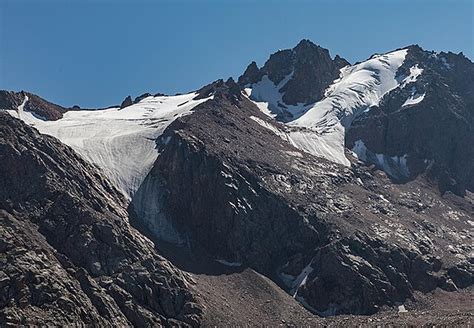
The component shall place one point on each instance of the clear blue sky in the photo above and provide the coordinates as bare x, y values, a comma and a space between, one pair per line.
94, 53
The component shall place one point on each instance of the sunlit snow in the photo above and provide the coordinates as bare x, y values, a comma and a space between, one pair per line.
413, 100
267, 96
415, 72
359, 87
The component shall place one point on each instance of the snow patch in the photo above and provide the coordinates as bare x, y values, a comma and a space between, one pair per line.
413, 100
445, 63
401, 309
270, 127
20, 112
22, 106
319, 128
415, 72
268, 98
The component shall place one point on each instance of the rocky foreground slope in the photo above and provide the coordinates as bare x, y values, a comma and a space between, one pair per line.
68, 252
308, 188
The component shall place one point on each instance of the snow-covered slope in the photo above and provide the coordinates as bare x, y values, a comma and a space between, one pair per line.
358, 88
121, 142
319, 128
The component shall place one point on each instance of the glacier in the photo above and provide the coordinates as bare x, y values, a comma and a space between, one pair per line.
120, 142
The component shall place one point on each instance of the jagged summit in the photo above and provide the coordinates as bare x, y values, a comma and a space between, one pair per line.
301, 74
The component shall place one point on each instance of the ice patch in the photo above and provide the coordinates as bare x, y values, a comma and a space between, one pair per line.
295, 283
330, 311
360, 150
231, 264
394, 166
148, 203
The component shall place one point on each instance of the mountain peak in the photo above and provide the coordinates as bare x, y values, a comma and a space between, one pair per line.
305, 43
301, 74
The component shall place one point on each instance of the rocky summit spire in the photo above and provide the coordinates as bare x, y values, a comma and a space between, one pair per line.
302, 73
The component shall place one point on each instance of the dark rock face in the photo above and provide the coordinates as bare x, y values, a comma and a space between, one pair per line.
251, 75
44, 108
126, 102
141, 97
314, 71
311, 66
68, 253
343, 240
340, 62
437, 133
10, 99
37, 105
228, 90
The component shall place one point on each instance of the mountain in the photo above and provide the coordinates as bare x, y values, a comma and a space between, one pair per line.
308, 185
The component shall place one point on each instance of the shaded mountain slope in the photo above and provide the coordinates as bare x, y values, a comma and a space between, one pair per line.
342, 240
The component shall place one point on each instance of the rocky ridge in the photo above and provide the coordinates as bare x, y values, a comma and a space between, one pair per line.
35, 104
423, 125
